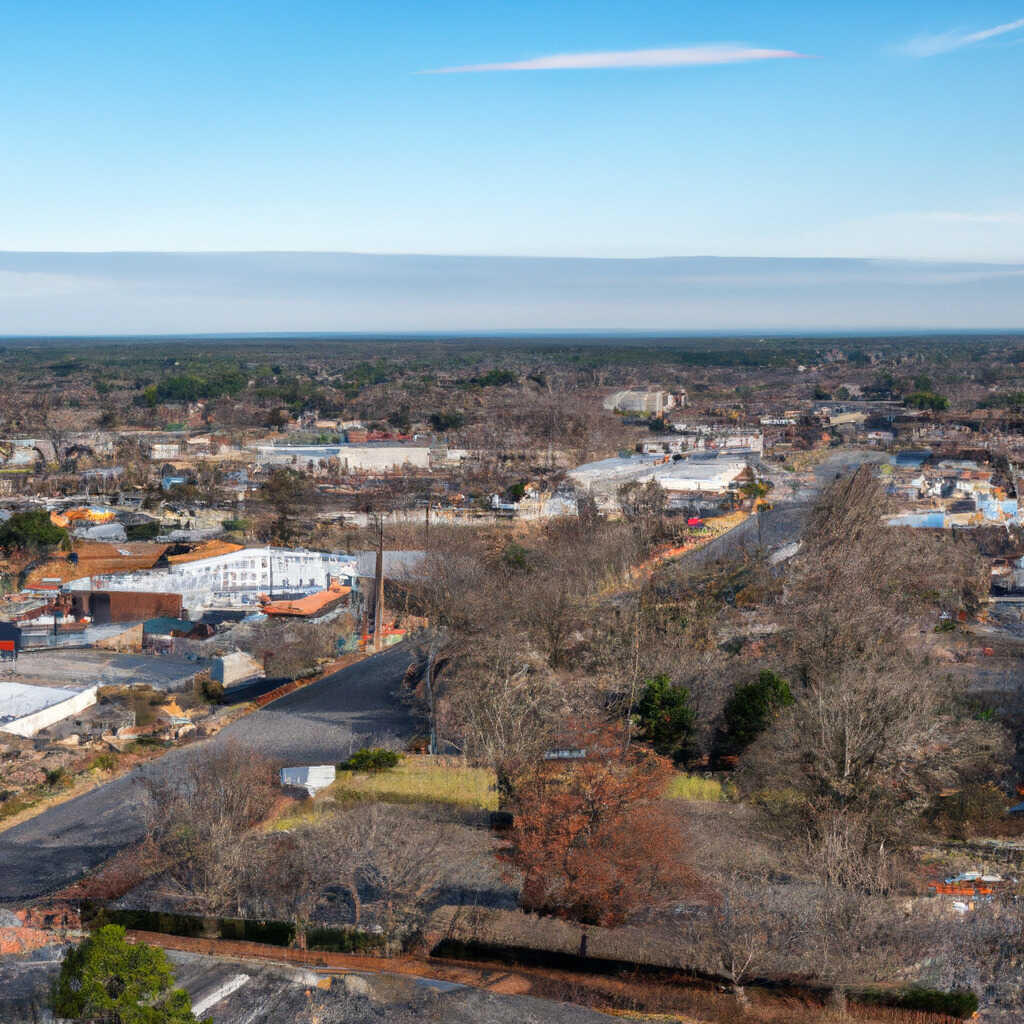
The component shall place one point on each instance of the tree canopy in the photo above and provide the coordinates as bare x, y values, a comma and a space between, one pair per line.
590, 835
106, 978
751, 708
666, 717
33, 530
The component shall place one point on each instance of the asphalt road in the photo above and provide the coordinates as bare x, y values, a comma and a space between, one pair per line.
786, 521
320, 723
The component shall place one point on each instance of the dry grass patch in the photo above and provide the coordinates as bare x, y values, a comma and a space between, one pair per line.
694, 787
421, 780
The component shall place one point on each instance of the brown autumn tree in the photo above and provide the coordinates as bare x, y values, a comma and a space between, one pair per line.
591, 836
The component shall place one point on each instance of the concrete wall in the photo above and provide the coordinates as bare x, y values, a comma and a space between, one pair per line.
31, 724
235, 668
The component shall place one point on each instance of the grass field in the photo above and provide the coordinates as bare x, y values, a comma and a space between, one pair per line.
420, 779
417, 780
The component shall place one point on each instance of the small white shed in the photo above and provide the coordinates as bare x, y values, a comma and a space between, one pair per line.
312, 778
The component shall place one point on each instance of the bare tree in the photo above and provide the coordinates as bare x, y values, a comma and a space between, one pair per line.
400, 858
197, 815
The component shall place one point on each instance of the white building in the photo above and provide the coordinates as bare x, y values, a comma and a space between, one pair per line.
712, 437
312, 778
25, 709
234, 580
353, 458
165, 451
652, 402
699, 475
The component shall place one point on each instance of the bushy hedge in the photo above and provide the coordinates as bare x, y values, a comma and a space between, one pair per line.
960, 1002
273, 933
341, 940
370, 759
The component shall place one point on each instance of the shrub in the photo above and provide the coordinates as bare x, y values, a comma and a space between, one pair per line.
666, 718
54, 776
750, 709
960, 1002
142, 531
104, 762
209, 689
342, 940
33, 530
370, 759
975, 809
15, 805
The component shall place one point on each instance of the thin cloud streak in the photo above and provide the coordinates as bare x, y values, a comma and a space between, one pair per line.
944, 42
957, 217
687, 56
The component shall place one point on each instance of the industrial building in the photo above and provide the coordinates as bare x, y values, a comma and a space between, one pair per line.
648, 402
26, 709
235, 579
371, 457
696, 474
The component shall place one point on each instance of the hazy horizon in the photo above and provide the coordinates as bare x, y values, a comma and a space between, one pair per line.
167, 293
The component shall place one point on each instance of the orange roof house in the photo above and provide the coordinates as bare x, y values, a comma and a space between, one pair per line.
313, 606
94, 558
208, 549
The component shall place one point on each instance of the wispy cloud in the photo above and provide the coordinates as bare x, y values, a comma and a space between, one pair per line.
932, 45
958, 217
687, 56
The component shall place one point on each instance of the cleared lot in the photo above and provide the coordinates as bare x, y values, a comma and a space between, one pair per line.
106, 668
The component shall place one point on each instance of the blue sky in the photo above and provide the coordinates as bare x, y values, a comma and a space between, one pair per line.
307, 125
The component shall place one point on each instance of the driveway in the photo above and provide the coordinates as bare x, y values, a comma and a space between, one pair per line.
320, 723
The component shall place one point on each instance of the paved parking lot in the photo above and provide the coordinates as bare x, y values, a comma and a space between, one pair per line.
321, 723
107, 668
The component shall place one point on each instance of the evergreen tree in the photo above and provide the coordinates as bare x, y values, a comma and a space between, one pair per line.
107, 979
666, 718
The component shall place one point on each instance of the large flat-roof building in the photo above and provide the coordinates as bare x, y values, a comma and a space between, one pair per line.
647, 401
699, 474
26, 709
235, 579
371, 457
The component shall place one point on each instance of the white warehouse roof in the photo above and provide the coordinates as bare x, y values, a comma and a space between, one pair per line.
25, 709
687, 474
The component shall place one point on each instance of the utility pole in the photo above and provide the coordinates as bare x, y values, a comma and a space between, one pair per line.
434, 643
426, 531
378, 604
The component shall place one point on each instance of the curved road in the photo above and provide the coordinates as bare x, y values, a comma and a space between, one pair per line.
785, 522
321, 723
